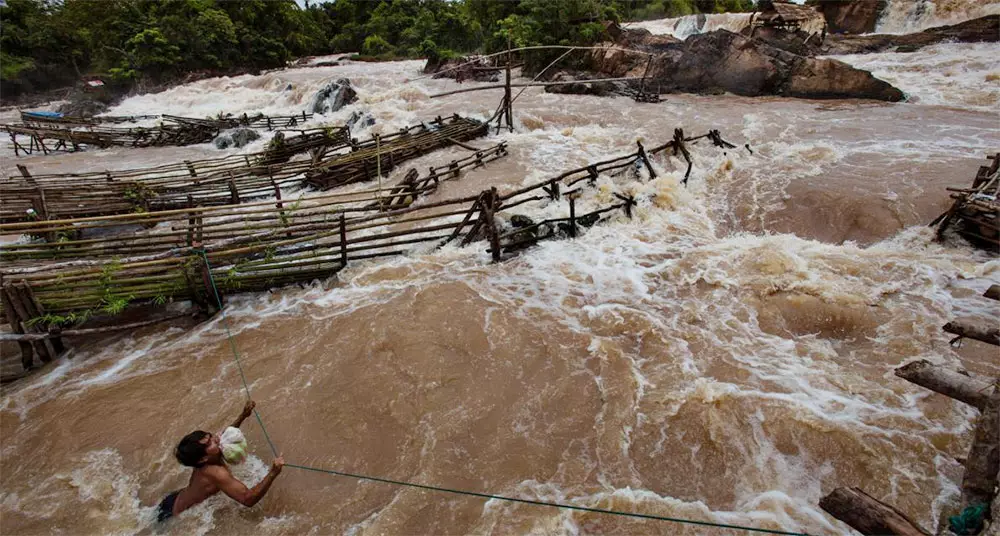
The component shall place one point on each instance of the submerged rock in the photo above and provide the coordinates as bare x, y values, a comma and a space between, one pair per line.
236, 138
360, 120
333, 97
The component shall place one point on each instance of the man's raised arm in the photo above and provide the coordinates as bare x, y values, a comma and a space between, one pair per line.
247, 411
235, 489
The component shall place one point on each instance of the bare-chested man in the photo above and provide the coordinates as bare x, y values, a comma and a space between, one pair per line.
211, 474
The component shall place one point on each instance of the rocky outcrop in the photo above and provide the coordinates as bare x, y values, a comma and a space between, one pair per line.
639, 38
984, 29
852, 16
723, 61
235, 138
333, 97
462, 69
580, 86
83, 107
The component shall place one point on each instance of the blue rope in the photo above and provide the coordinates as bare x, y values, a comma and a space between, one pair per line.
246, 388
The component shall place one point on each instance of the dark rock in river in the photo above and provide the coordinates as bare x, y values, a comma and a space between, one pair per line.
852, 16
477, 71
581, 86
83, 106
360, 120
721, 60
333, 97
236, 138
983, 29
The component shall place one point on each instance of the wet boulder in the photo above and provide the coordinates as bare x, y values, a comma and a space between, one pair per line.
462, 69
333, 97
726, 61
83, 106
852, 16
983, 29
360, 120
577, 84
236, 138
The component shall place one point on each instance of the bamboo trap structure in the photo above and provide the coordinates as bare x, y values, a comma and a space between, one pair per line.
276, 254
160, 232
256, 121
227, 181
975, 214
65, 138
213, 181
74, 134
383, 153
33, 118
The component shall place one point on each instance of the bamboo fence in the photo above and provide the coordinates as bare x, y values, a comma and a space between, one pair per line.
229, 180
212, 181
75, 133
161, 232
253, 255
256, 121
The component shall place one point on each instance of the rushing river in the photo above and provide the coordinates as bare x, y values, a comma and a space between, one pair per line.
726, 356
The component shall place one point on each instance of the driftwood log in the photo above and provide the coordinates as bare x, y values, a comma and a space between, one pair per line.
868, 515
987, 334
957, 385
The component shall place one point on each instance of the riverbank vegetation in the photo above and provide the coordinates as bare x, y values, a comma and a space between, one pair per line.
48, 44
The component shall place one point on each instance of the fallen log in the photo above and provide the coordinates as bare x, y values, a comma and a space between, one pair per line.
983, 462
868, 515
950, 383
993, 292
990, 335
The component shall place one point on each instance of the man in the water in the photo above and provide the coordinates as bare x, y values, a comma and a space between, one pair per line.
201, 451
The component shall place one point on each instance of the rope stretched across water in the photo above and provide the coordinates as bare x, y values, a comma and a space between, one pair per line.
246, 388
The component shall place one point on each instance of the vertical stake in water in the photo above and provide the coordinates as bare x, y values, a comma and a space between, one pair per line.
508, 104
378, 169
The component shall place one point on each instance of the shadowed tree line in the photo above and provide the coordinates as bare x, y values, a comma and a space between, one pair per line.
47, 44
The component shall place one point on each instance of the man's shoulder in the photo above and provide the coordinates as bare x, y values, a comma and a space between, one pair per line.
213, 471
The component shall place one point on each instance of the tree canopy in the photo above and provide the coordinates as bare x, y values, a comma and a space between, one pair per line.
52, 43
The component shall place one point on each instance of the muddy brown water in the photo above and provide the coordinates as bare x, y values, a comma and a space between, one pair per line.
726, 356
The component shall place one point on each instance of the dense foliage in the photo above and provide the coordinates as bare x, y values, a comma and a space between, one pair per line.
52, 43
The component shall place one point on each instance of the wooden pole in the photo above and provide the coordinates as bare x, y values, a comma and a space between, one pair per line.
983, 462
947, 382
572, 216
27, 354
645, 160
868, 515
343, 240
987, 334
491, 198
508, 104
